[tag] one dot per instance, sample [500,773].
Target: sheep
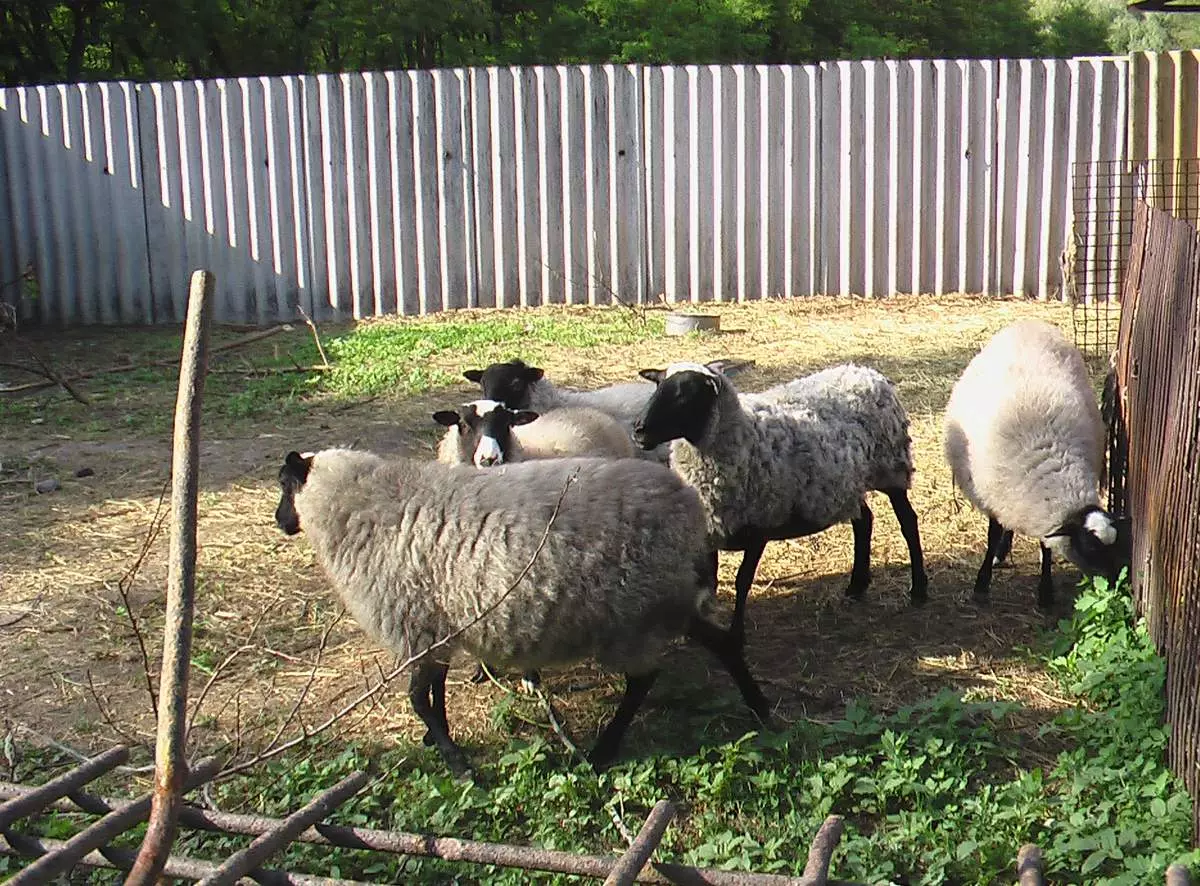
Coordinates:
[1025,444]
[539,563]
[488,433]
[787,462]
[520,386]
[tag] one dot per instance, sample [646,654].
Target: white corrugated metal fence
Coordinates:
[408,192]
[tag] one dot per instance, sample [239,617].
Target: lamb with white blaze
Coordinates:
[487,433]
[1025,443]
[787,462]
[544,563]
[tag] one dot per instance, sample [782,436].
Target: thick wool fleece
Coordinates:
[417,550]
[1024,437]
[806,450]
[624,402]
[562,433]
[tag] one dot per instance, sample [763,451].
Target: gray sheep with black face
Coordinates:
[1025,442]
[520,386]
[790,461]
[541,563]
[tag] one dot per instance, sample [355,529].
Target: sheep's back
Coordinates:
[574,431]
[1023,433]
[425,548]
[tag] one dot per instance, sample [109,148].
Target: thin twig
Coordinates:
[168,362]
[312,675]
[106,714]
[126,583]
[316,336]
[373,691]
[216,674]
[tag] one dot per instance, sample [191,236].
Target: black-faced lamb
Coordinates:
[787,462]
[1025,443]
[520,386]
[544,563]
[487,433]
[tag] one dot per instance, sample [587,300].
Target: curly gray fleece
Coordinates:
[417,549]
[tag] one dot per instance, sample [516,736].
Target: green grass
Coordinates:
[391,357]
[935,793]
[381,357]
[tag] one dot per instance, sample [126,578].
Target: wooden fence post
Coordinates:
[171,746]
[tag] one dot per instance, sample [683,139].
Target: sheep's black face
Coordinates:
[681,406]
[1097,543]
[485,425]
[506,383]
[292,477]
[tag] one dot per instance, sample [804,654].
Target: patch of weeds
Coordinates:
[396,356]
[942,791]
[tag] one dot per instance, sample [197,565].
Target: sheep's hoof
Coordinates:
[480,675]
[427,739]
[981,598]
[918,595]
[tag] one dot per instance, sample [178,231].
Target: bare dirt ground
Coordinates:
[267,626]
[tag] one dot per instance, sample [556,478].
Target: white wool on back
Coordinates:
[624,402]
[560,433]
[808,449]
[1024,437]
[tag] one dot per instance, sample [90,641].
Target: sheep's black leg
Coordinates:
[637,686]
[531,680]
[725,647]
[907,518]
[427,692]
[860,575]
[983,581]
[1004,548]
[480,675]
[1045,583]
[745,578]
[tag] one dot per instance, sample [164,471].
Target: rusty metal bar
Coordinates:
[451,848]
[279,837]
[820,853]
[179,866]
[56,788]
[629,865]
[101,832]
[1029,866]
[1178,875]
[170,754]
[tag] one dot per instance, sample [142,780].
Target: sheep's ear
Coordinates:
[475,375]
[654,375]
[296,466]
[523,417]
[447,418]
[533,373]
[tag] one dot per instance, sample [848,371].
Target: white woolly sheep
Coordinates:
[787,462]
[1025,443]
[488,433]
[542,563]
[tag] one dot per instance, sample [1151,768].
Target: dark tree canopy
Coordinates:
[43,41]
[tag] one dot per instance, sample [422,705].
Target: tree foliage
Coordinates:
[43,41]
